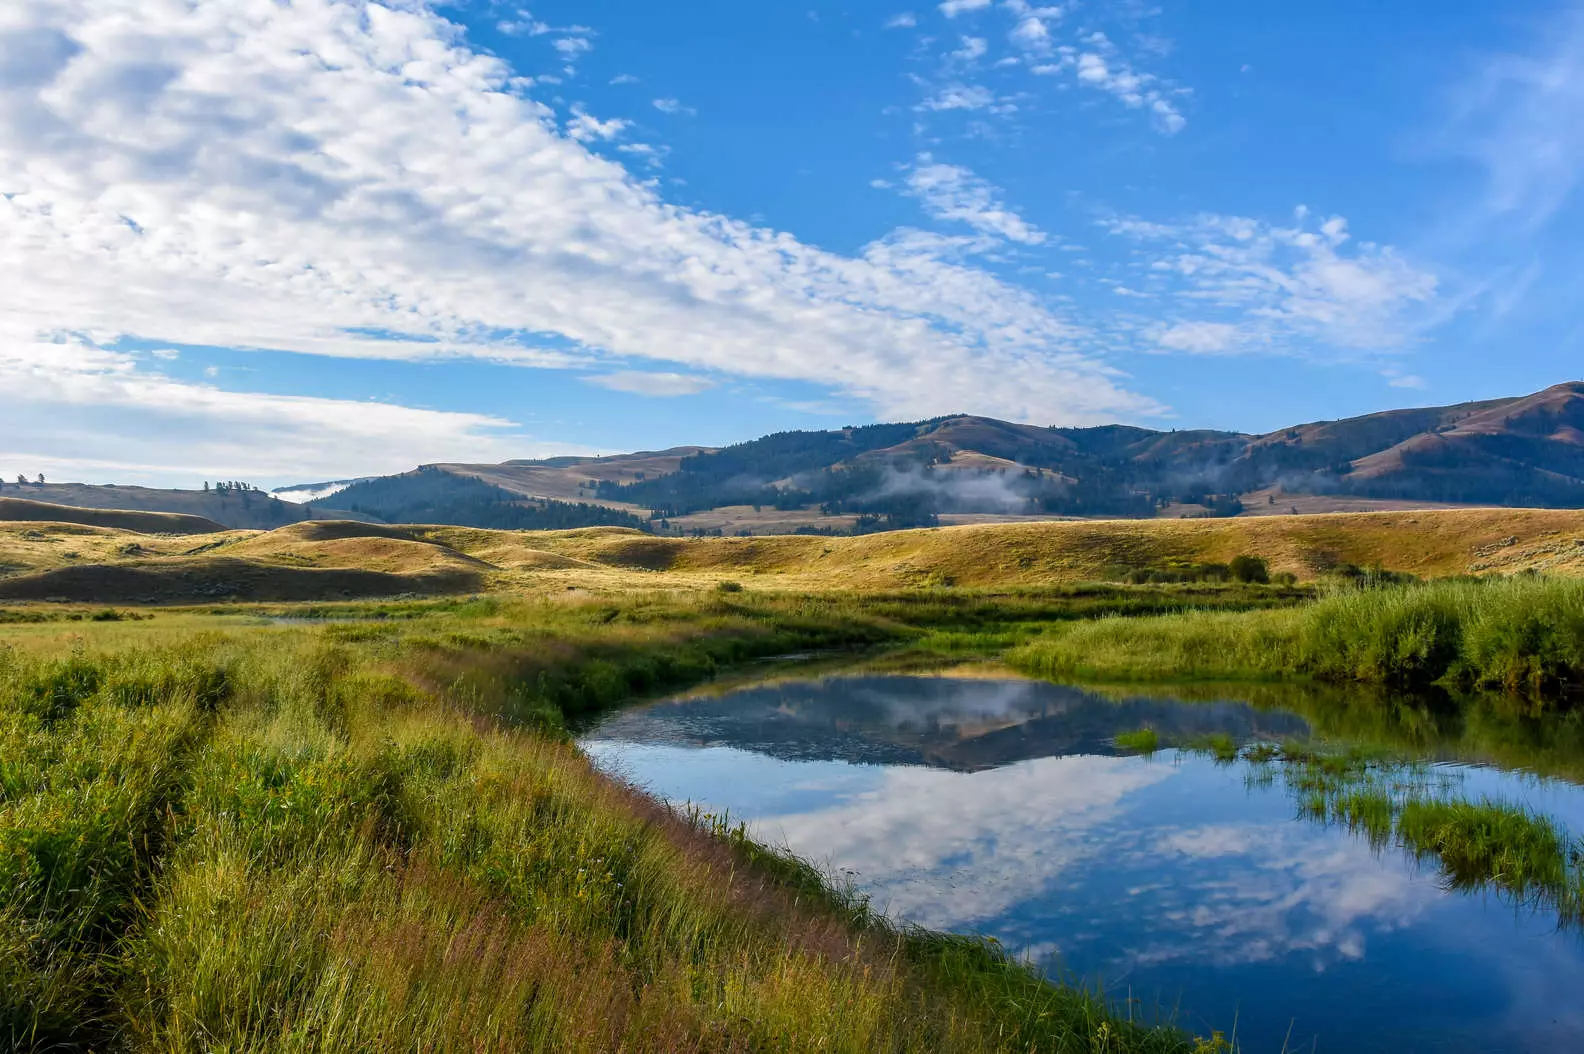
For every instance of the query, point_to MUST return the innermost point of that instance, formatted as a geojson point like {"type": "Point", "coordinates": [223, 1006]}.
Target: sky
{"type": "Point", "coordinates": [286, 241]}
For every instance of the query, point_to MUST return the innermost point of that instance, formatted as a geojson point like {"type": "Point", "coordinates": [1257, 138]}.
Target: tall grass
{"type": "Point", "coordinates": [90, 761]}
{"type": "Point", "coordinates": [1524, 635]}
{"type": "Point", "coordinates": [321, 839]}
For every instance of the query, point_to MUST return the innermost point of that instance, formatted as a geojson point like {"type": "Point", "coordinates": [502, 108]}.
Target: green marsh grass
{"type": "Point", "coordinates": [1143, 740]}
{"type": "Point", "coordinates": [373, 835]}
{"type": "Point", "coordinates": [1523, 635]}
{"type": "Point", "coordinates": [1527, 858]}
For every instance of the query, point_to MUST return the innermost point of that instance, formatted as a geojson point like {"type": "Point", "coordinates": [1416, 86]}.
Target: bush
{"type": "Point", "coordinates": [1249, 569]}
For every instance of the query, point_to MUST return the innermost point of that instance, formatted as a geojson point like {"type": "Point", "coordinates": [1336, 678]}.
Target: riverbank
{"type": "Point", "coordinates": [1523, 636]}
{"type": "Point", "coordinates": [371, 834]}
{"type": "Point", "coordinates": [362, 826]}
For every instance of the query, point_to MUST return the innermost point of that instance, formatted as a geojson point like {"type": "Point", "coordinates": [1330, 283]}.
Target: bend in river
{"type": "Point", "coordinates": [1191, 857]}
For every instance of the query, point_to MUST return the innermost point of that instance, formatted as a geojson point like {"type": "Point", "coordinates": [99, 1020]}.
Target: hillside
{"type": "Point", "coordinates": [1526, 451]}
{"type": "Point", "coordinates": [231, 509]}
{"type": "Point", "coordinates": [21, 510]}
{"type": "Point", "coordinates": [339, 560]}
{"type": "Point", "coordinates": [433, 495]}
{"type": "Point", "coordinates": [1519, 452]}
{"type": "Point", "coordinates": [575, 478]}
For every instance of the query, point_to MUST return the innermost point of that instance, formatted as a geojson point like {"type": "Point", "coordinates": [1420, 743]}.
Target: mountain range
{"type": "Point", "coordinates": [1523, 451]}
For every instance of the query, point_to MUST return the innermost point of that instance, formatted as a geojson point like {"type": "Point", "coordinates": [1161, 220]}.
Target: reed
{"type": "Point", "coordinates": [1523, 635]}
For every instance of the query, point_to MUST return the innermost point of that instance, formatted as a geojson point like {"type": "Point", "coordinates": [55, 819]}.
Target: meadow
{"type": "Point", "coordinates": [250, 801]}
{"type": "Point", "coordinates": [240, 832]}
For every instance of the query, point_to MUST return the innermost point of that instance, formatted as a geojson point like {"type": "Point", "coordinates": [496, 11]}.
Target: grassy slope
{"type": "Point", "coordinates": [234, 510]}
{"type": "Point", "coordinates": [315, 839]}
{"type": "Point", "coordinates": [1424, 543]}
{"type": "Point", "coordinates": [993, 555]}
{"type": "Point", "coordinates": [23, 510]}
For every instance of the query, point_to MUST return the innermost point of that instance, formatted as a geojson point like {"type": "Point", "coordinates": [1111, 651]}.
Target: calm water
{"type": "Point", "coordinates": [1002, 807]}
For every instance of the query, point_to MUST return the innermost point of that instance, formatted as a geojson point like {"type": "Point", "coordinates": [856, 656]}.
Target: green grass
{"type": "Point", "coordinates": [1143, 740]}
{"type": "Point", "coordinates": [1523, 635]}
{"type": "Point", "coordinates": [372, 835]}
{"type": "Point", "coordinates": [225, 832]}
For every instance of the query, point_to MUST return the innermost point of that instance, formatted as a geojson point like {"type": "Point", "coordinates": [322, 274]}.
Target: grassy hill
{"type": "Point", "coordinates": [335, 560]}
{"type": "Point", "coordinates": [249, 510]}
{"type": "Point", "coordinates": [20, 509]}
{"type": "Point", "coordinates": [1520, 452]}
{"type": "Point", "coordinates": [1526, 451]}
{"type": "Point", "coordinates": [433, 495]}
{"type": "Point", "coordinates": [1431, 544]}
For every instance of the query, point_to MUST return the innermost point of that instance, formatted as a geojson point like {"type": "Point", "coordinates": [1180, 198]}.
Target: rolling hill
{"type": "Point", "coordinates": [1519, 452]}
{"type": "Point", "coordinates": [229, 509]}
{"type": "Point", "coordinates": [1526, 451]}
{"type": "Point", "coordinates": [16, 510]}
{"type": "Point", "coordinates": [42, 561]}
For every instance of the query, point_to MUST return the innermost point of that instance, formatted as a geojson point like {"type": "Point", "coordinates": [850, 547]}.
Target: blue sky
{"type": "Point", "coordinates": [322, 238]}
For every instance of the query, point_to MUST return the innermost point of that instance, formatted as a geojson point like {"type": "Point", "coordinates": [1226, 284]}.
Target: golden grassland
{"type": "Point", "coordinates": [357, 824]}
{"type": "Point", "coordinates": [331, 560]}
{"type": "Point", "coordinates": [23, 510]}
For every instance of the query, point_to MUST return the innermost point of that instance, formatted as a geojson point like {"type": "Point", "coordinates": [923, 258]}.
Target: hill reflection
{"type": "Point", "coordinates": [962, 724]}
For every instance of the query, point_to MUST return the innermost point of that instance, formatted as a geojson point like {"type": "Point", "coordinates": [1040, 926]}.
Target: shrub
{"type": "Point", "coordinates": [1249, 569]}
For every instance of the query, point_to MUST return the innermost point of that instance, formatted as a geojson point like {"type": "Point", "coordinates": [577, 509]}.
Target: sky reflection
{"type": "Point", "coordinates": [1001, 807]}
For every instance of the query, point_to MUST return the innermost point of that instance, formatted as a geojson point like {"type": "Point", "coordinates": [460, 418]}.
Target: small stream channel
{"type": "Point", "coordinates": [1197, 887]}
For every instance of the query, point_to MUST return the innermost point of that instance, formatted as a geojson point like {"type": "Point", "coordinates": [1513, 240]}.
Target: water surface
{"type": "Point", "coordinates": [1003, 807]}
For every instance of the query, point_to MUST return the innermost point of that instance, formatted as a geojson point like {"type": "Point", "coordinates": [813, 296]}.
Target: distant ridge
{"type": "Point", "coordinates": [231, 508]}
{"type": "Point", "coordinates": [1525, 451]}
{"type": "Point", "coordinates": [20, 509]}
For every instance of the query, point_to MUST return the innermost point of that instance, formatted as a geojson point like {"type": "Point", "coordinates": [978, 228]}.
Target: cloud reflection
{"type": "Point", "coordinates": [950, 850]}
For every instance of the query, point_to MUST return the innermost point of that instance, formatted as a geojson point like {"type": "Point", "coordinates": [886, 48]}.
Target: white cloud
{"type": "Point", "coordinates": [960, 97]}
{"type": "Point", "coordinates": [903, 21]}
{"type": "Point", "coordinates": [1032, 28]}
{"type": "Point", "coordinates": [1200, 338]}
{"type": "Point", "coordinates": [1090, 55]}
{"type": "Point", "coordinates": [651, 154]}
{"type": "Point", "coordinates": [523, 25]}
{"type": "Point", "coordinates": [953, 8]}
{"type": "Point", "coordinates": [1278, 288]}
{"type": "Point", "coordinates": [575, 43]}
{"type": "Point", "coordinates": [671, 106]}
{"type": "Point", "coordinates": [642, 383]}
{"type": "Point", "coordinates": [973, 49]}
{"type": "Point", "coordinates": [1521, 118]}
{"type": "Point", "coordinates": [94, 414]}
{"type": "Point", "coordinates": [586, 128]}
{"type": "Point", "coordinates": [950, 192]}
{"type": "Point", "coordinates": [1032, 34]}
{"type": "Point", "coordinates": [572, 47]}
{"type": "Point", "coordinates": [624, 78]}
{"type": "Point", "coordinates": [345, 179]}
{"type": "Point", "coordinates": [1102, 69]}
